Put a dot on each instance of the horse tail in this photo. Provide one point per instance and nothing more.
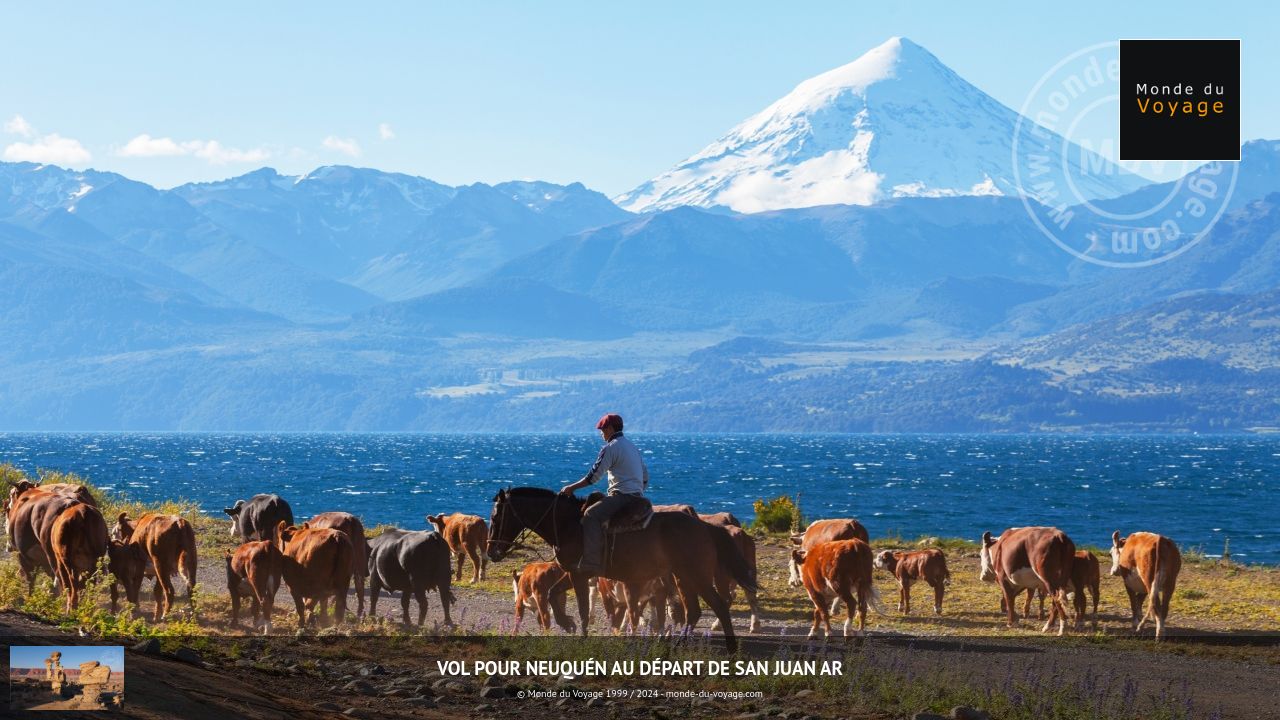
(730, 557)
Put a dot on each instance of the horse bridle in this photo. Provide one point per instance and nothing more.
(506, 496)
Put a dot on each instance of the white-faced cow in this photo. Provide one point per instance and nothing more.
(820, 531)
(258, 517)
(839, 570)
(1030, 557)
(1149, 565)
(911, 567)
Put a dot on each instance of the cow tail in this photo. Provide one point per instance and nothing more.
(1157, 587)
(444, 577)
(873, 598)
(187, 553)
(946, 576)
(730, 557)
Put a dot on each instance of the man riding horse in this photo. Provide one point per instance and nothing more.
(628, 479)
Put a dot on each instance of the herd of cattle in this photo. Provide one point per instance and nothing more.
(58, 528)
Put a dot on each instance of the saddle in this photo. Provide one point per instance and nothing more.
(630, 520)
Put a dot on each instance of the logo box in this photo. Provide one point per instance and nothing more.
(1180, 100)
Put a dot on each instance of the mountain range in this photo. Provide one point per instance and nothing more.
(885, 278)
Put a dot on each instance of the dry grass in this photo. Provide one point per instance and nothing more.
(1211, 598)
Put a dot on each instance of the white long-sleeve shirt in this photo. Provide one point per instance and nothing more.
(622, 461)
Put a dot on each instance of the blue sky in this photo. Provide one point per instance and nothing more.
(608, 94)
(33, 656)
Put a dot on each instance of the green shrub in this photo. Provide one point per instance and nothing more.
(779, 515)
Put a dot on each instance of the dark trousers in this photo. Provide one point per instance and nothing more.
(593, 524)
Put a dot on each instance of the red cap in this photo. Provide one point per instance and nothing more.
(612, 420)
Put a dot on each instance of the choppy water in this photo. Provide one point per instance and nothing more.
(1197, 490)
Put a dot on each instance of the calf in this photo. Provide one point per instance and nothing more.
(613, 601)
(258, 518)
(820, 531)
(254, 571)
(466, 535)
(542, 587)
(351, 525)
(837, 570)
(169, 544)
(316, 565)
(624, 603)
(78, 539)
(1149, 564)
(411, 563)
(1030, 557)
(911, 567)
(127, 564)
(678, 507)
(1085, 575)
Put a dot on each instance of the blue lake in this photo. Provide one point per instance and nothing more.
(1199, 490)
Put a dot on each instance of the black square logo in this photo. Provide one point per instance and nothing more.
(1179, 99)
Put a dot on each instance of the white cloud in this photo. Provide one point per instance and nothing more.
(346, 146)
(216, 154)
(146, 146)
(19, 126)
(385, 132)
(52, 148)
(211, 151)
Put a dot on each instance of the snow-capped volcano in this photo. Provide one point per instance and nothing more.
(895, 122)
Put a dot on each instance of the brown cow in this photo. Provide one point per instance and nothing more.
(1030, 557)
(77, 540)
(685, 508)
(29, 523)
(254, 571)
(820, 531)
(910, 567)
(1149, 564)
(351, 525)
(22, 492)
(837, 570)
(466, 535)
(316, 565)
(71, 490)
(169, 544)
(724, 581)
(1084, 577)
(542, 587)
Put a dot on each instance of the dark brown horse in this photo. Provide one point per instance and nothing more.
(673, 542)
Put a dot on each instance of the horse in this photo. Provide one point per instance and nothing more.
(672, 542)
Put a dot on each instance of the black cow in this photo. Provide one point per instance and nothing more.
(257, 518)
(411, 563)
